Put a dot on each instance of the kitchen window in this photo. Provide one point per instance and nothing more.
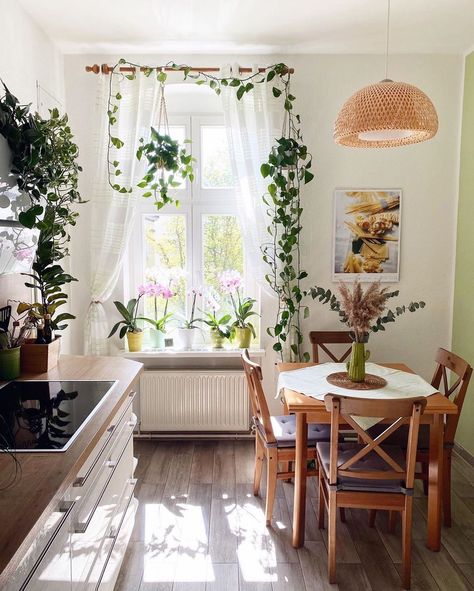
(195, 242)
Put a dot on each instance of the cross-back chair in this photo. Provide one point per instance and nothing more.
(321, 338)
(455, 390)
(369, 475)
(275, 437)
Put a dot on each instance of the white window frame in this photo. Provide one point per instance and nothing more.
(195, 202)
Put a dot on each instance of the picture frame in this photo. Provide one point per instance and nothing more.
(366, 236)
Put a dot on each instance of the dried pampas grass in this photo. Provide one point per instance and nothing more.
(362, 308)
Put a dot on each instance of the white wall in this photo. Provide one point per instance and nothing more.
(26, 56)
(426, 172)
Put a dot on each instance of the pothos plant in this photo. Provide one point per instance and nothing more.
(166, 161)
(287, 169)
(44, 161)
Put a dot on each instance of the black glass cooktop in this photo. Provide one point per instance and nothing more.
(47, 415)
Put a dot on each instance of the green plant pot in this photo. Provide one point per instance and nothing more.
(135, 340)
(243, 336)
(217, 340)
(356, 364)
(157, 339)
(9, 363)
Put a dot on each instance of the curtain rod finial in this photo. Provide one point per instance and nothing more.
(95, 68)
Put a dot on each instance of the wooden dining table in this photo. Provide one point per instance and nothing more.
(310, 410)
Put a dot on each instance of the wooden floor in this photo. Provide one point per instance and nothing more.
(199, 528)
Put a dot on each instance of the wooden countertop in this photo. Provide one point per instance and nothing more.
(45, 477)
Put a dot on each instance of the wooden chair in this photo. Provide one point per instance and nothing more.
(321, 338)
(369, 475)
(455, 391)
(275, 437)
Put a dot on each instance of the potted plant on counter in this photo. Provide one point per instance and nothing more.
(187, 331)
(219, 328)
(243, 330)
(10, 346)
(130, 326)
(157, 290)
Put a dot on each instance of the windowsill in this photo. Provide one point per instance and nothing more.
(171, 353)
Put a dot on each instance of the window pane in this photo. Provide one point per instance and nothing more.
(165, 262)
(222, 251)
(216, 170)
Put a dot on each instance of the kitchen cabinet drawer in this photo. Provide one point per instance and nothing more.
(48, 564)
(95, 462)
(90, 543)
(118, 538)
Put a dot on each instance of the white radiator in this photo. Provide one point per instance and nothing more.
(194, 401)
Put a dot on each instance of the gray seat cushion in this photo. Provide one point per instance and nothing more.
(400, 437)
(372, 461)
(284, 429)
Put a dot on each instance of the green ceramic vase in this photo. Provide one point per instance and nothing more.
(217, 340)
(356, 364)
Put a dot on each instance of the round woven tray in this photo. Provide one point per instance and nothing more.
(341, 380)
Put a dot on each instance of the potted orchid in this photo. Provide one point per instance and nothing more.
(187, 331)
(130, 325)
(243, 330)
(219, 327)
(157, 290)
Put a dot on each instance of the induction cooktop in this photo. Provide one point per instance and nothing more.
(46, 416)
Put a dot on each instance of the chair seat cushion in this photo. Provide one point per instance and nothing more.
(371, 462)
(284, 429)
(400, 437)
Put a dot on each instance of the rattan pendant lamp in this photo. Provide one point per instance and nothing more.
(386, 114)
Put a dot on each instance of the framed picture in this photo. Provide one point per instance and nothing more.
(367, 234)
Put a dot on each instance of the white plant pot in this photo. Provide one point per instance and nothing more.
(186, 337)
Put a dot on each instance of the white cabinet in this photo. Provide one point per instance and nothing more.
(82, 544)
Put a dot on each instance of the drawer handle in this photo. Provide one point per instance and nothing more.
(80, 528)
(114, 535)
(81, 480)
(65, 508)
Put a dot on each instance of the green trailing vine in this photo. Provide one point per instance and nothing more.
(44, 161)
(287, 169)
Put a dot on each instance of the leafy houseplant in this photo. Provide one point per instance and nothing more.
(44, 161)
(157, 290)
(166, 161)
(220, 328)
(231, 283)
(363, 312)
(129, 322)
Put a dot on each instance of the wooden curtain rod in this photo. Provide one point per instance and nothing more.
(106, 69)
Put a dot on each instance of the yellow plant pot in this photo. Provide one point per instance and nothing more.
(135, 341)
(243, 336)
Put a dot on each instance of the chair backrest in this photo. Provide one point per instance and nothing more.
(402, 410)
(258, 402)
(455, 390)
(321, 338)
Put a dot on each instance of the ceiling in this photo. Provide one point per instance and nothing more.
(255, 26)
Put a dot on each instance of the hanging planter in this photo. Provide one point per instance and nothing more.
(168, 163)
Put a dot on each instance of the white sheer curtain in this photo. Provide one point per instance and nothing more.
(252, 123)
(113, 212)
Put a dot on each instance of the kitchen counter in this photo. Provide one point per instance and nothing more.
(45, 477)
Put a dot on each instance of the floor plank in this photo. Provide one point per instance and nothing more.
(199, 527)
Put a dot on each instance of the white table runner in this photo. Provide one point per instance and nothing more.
(311, 381)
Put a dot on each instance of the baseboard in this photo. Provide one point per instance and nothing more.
(464, 454)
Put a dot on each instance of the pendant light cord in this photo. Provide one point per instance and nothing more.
(388, 38)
